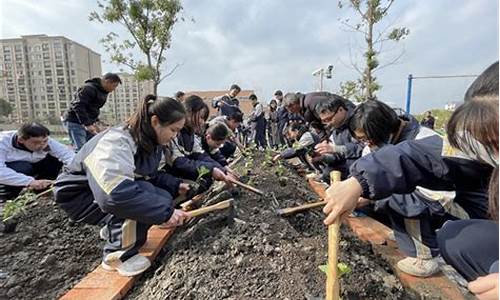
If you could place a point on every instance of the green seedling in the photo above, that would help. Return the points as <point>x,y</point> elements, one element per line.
<point>13,208</point>
<point>202,171</point>
<point>342,269</point>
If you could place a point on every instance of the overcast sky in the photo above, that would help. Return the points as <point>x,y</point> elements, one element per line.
<point>267,45</point>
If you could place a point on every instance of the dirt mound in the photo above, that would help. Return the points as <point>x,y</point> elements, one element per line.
<point>251,253</point>
<point>46,255</point>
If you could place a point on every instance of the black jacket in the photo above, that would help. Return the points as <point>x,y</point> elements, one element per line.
<point>308,103</point>
<point>88,100</point>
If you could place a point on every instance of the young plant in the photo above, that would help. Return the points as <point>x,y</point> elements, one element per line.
<point>202,171</point>
<point>342,269</point>
<point>13,208</point>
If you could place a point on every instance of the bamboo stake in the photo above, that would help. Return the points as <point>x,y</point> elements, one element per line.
<point>299,208</point>
<point>332,280</point>
<point>247,187</point>
<point>204,210</point>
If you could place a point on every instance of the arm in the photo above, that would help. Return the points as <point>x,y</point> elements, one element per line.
<point>167,182</point>
<point>10,177</point>
<point>61,152</point>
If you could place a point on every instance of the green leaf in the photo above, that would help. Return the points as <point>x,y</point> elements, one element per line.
<point>342,269</point>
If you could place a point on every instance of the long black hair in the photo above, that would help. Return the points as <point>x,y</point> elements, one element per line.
<point>195,107</point>
<point>166,109</point>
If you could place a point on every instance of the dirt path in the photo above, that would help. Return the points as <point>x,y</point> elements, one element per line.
<point>251,253</point>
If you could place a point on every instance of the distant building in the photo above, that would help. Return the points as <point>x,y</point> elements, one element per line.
<point>39,74</point>
<point>451,106</point>
<point>123,101</point>
<point>207,96</point>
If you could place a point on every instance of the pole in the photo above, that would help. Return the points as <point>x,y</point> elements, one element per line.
<point>408,94</point>
<point>332,279</point>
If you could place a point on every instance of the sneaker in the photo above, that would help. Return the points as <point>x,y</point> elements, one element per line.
<point>419,267</point>
<point>104,233</point>
<point>131,267</point>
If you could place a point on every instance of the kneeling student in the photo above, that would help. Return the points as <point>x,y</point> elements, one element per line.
<point>303,142</point>
<point>30,158</point>
<point>120,167</point>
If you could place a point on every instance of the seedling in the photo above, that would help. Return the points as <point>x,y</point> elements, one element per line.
<point>342,269</point>
<point>17,206</point>
<point>202,171</point>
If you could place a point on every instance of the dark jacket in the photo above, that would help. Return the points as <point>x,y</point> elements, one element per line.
<point>215,154</point>
<point>88,100</point>
<point>109,175</point>
<point>226,105</point>
<point>430,163</point>
<point>188,156</point>
<point>309,101</point>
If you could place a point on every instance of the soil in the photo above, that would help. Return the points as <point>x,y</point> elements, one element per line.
<point>249,252</point>
<point>47,255</point>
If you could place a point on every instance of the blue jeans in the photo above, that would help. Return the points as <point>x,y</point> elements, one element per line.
<point>78,135</point>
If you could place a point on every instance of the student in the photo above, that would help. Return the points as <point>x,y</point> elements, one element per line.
<point>188,157</point>
<point>215,136</point>
<point>30,158</point>
<point>228,103</point>
<point>414,217</point>
<point>282,116</point>
<point>272,124</point>
<point>428,120</point>
<point>233,122</point>
<point>258,123</point>
<point>84,110</point>
<point>179,96</point>
<point>303,142</point>
<point>121,166</point>
<point>433,164</point>
<point>341,149</point>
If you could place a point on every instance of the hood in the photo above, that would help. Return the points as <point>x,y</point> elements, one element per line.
<point>411,129</point>
<point>96,82</point>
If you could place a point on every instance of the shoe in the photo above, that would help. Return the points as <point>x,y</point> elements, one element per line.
<point>104,233</point>
<point>131,267</point>
<point>419,267</point>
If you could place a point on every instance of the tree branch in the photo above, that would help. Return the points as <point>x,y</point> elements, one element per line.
<point>171,71</point>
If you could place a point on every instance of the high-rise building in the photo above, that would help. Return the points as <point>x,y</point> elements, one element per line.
<point>39,74</point>
<point>122,102</point>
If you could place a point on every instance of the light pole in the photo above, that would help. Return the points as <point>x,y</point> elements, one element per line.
<point>322,73</point>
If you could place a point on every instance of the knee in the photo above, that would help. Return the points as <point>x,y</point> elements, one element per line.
<point>23,167</point>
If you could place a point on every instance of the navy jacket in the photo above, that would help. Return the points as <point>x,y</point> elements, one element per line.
<point>214,154</point>
<point>88,100</point>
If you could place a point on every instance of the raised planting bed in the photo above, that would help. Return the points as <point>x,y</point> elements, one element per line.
<point>250,252</point>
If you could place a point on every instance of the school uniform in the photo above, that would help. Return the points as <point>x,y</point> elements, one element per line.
<point>19,166</point>
<point>229,147</point>
<point>305,144</point>
<point>111,182</point>
<point>259,125</point>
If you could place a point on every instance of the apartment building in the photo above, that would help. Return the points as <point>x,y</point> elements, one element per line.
<point>123,101</point>
<point>39,74</point>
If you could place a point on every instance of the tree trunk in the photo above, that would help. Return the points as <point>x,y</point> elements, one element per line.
<point>369,52</point>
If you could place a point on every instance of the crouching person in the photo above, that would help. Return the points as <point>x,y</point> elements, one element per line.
<point>120,168</point>
<point>303,142</point>
<point>30,158</point>
<point>233,122</point>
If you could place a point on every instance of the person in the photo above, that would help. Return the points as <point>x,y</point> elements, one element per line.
<point>179,96</point>
<point>228,103</point>
<point>233,122</point>
<point>282,117</point>
<point>120,170</point>
<point>414,217</point>
<point>465,163</point>
<point>30,158</point>
<point>187,158</point>
<point>258,121</point>
<point>83,113</point>
<point>340,150</point>
<point>272,124</point>
<point>305,104</point>
<point>303,145</point>
<point>428,120</point>
<point>214,137</point>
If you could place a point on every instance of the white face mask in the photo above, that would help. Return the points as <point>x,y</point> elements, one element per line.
<point>480,152</point>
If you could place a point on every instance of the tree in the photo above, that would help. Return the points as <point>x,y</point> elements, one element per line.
<point>150,24</point>
<point>351,90</point>
<point>5,108</point>
<point>371,13</point>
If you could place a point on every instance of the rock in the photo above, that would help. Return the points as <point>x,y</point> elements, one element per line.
<point>14,292</point>
<point>268,250</point>
<point>49,260</point>
<point>27,239</point>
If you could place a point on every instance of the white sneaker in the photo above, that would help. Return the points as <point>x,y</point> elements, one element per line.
<point>104,233</point>
<point>419,267</point>
<point>131,267</point>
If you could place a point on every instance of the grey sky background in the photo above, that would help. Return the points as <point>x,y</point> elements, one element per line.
<point>267,45</point>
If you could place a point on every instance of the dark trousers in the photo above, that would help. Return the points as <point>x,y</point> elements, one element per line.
<point>78,135</point>
<point>129,235</point>
<point>47,168</point>
<point>470,246</point>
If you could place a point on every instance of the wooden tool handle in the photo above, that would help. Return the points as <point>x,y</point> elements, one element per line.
<point>204,210</point>
<point>296,209</point>
<point>332,282</point>
<point>248,187</point>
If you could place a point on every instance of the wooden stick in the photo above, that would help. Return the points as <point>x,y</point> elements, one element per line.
<point>248,187</point>
<point>204,210</point>
<point>332,280</point>
<point>292,210</point>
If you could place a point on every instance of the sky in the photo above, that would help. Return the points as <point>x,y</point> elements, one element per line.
<point>268,45</point>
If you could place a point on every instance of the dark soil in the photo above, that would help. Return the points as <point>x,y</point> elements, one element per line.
<point>47,254</point>
<point>251,253</point>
